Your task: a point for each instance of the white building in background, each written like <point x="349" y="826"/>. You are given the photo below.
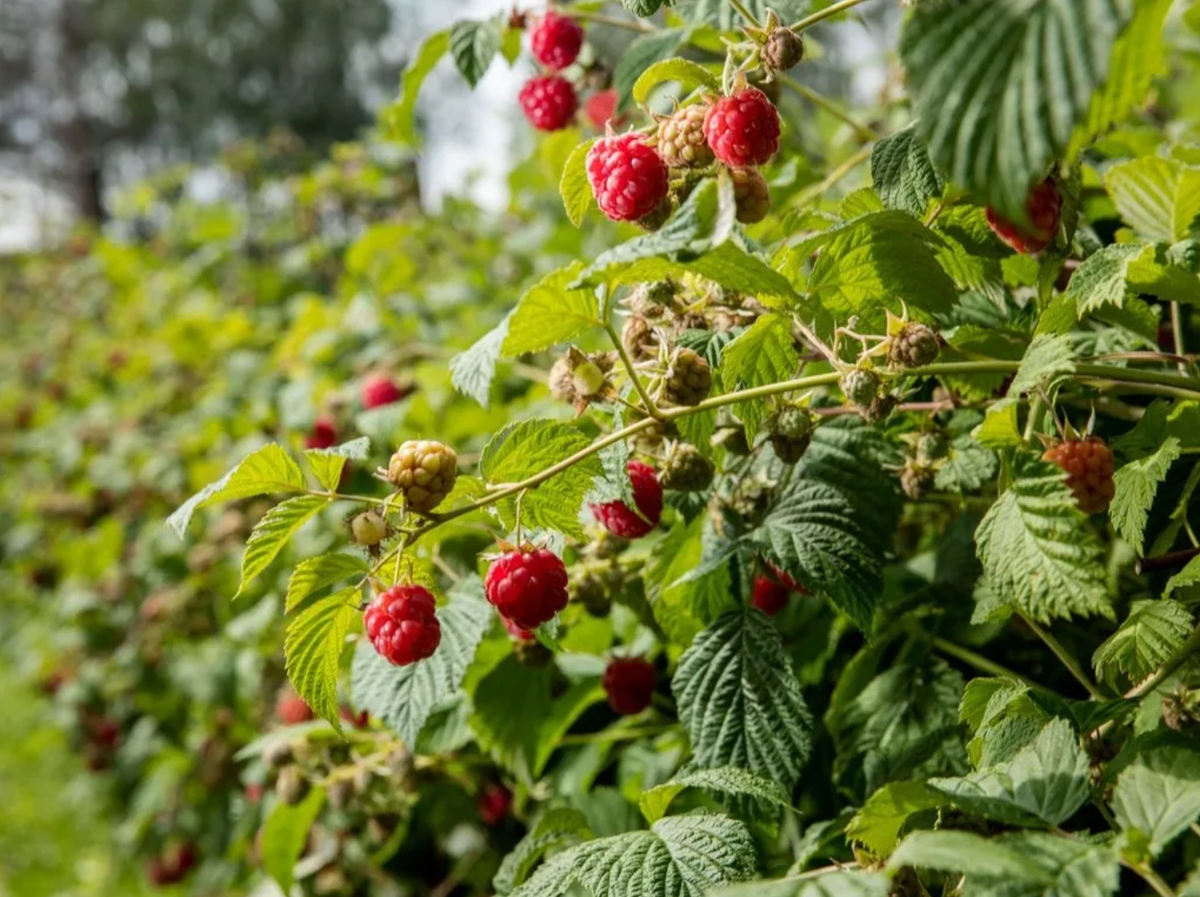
<point x="32" y="216"/>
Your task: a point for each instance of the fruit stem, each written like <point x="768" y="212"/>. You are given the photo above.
<point x="983" y="664"/>
<point x="601" y="19"/>
<point x="745" y="13"/>
<point x="809" y="21"/>
<point x="1065" y="657"/>
<point x="650" y="407"/>
<point x="1177" y="333"/>
<point x="823" y="102"/>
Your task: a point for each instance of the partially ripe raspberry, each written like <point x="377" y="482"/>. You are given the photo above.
<point x="1044" y="208"/>
<point x="751" y="195"/>
<point x="1089" y="466"/>
<point x="616" y="516"/>
<point x="770" y="596"/>
<point x="379" y="390"/>
<point x="324" y="434"/>
<point x="494" y="801"/>
<point x="549" y="102"/>
<point x="688" y="378"/>
<point x="790" y="430"/>
<point x="743" y="129"/>
<point x="914" y="346"/>
<point x="527" y="587"/>
<point x="783" y="50"/>
<point x="601" y="107"/>
<point x="629" y="684"/>
<point x="681" y="141"/>
<point x="686" y="469"/>
<point x="628" y="178"/>
<point x="291" y="709"/>
<point x="423" y="472"/>
<point x="402" y="624"/>
<point x="555" y="41"/>
<point x="860" y="387"/>
<point x="368" y="528"/>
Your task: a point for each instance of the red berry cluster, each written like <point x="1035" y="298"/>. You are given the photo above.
<point x="527" y="587"/>
<point x="1044" y="208"/>
<point x="549" y="100"/>
<point x="494" y="801"/>
<point x="773" y="589"/>
<point x="1089" y="466"/>
<point x="629" y="684"/>
<point x="172" y="865"/>
<point x="379" y="390"/>
<point x="402" y="624"/>
<point x="621" y="520"/>
<point x="291" y="709"/>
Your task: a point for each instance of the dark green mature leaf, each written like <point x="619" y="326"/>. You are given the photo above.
<point x="272" y="532"/>
<point x="739" y="699"/>
<point x="549" y="313"/>
<point x="903" y="174"/>
<point x="680" y="856"/>
<point x="265" y="472"/>
<point x="683" y="607"/>
<point x="1136" y="484"/>
<point x="529" y="447"/>
<point x="970" y="66"/>
<point x="313" y="574"/>
<point x="1150" y="636"/>
<point x="471" y="371"/>
<point x="829" y="884"/>
<point x="285" y="833"/>
<point x="1037" y="551"/>
<point x="721" y="14"/>
<point x="732" y="780"/>
<point x="642" y="8"/>
<point x="764" y="353"/>
<point x="473" y="46"/>
<point x="1159" y="794"/>
<point x="312" y="650"/>
<point x="404" y="697"/>
<point x="555" y="829"/>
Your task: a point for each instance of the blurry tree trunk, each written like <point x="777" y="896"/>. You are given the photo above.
<point x="83" y="169"/>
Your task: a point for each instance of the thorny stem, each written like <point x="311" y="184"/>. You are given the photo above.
<point x="822" y="102"/>
<point x="650" y="407"/>
<point x="1065" y="657"/>
<point x="809" y="21"/>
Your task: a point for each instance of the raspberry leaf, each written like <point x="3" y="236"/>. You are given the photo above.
<point x="1136" y="486"/>
<point x="312" y="650"/>
<point x="878" y="824"/>
<point x="549" y="313"/>
<point x="1150" y="636"/>
<point x="764" y="353"/>
<point x="643" y="52"/>
<point x="728" y="780"/>
<point x="315" y="573"/>
<point x="1159" y="795"/>
<point x="403" y="698"/>
<point x="472" y="370"/>
<point x="684" y="72"/>
<point x="1188" y="576"/>
<point x="685" y="606"/>
<point x="285" y="834"/>
<point x="903" y="174"/>
<point x="327" y="464"/>
<point x="398" y="119"/>
<point x="573" y="185"/>
<point x="272" y="533"/>
<point x="473" y="46"/>
<point x="1159" y="197"/>
<point x="739" y="699"/>
<point x="265" y="472"/>
<point x="554" y="830"/>
<point x="680" y="856"/>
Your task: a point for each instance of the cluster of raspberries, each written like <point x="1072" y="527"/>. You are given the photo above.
<point x="549" y="100"/>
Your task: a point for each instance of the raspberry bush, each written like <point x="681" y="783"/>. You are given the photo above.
<point x="842" y="463"/>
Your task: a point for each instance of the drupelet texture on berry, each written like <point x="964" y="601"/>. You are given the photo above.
<point x="549" y="102"/>
<point x="619" y="519"/>
<point x="402" y="624"/>
<point x="688" y="378"/>
<point x="770" y="595"/>
<point x="423" y="472"/>
<point x="368" y="528"/>
<point x="681" y="141"/>
<point x="783" y="49"/>
<point x="743" y="129"/>
<point x="527" y="587"/>
<point x="1044" y="208"/>
<point x="859" y="386"/>
<point x="601" y="107"/>
<point x="628" y="177"/>
<point x="1089" y="466"/>
<point x="751" y="195"/>
<point x="555" y="41"/>
<point x="629" y="684"/>
<point x="790" y="430"/>
<point x="686" y="469"/>
<point x="914" y="346"/>
<point x="379" y="390"/>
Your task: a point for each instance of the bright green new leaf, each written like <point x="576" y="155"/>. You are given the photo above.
<point x="312" y="650"/>
<point x="550" y="313"/>
<point x="272" y="532"/>
<point x="1159" y="794"/>
<point x="1159" y="197"/>
<point x="1150" y="636"/>
<point x="327" y="464"/>
<point x="687" y="73"/>
<point x="285" y="833"/>
<point x="265" y="472"/>
<point x="1136" y="485"/>
<point x="398" y="119"/>
<point x="315" y="573"/>
<point x="732" y="780"/>
<point x="574" y="187"/>
<point x="878" y="824"/>
<point x="764" y="353"/>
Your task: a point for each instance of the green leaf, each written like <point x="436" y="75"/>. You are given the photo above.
<point x="1037" y="551"/>
<point x="315" y="573"/>
<point x="643" y="52"/>
<point x="1159" y="794"/>
<point x="1047" y="780"/>
<point x="526" y="448"/>
<point x="1047" y="361"/>
<point x="1102" y="278"/>
<point x="731" y="780"/>
<point x="687" y="73"/>
<point x="1136" y="485"/>
<point x="1188" y="576"/>
<point x="878" y="261"/>
<point x="828" y="884"/>
<point x="970" y="66"/>
<point x="554" y="830"/>
<point x="684" y="608"/>
<point x="576" y="191"/>
<point x="473" y="46"/>
<point x="1150" y="636"/>
<point x="968" y="466"/>
<point x="312" y="650"/>
<point x="327" y="463"/>
<point x="265" y="472"/>
<point x="472" y="371"/>
<point x="903" y="174"/>
<point x="272" y="532"/>
<point x="680" y="856"/>
<point x="642" y="8"/>
<point x="721" y="14"/>
<point x="764" y="353"/>
<point x="398" y="119"/>
<point x="878" y="824"/>
<point x="549" y="313"/>
<point x="739" y="699"/>
<point x="285" y="833"/>
<point x="1158" y="197"/>
<point x="404" y="697"/>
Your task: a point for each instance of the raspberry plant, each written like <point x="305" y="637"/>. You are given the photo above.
<point x="813" y="512"/>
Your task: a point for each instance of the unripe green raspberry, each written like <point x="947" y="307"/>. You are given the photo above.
<point x="783" y="50"/>
<point x="751" y="194"/>
<point x="686" y="469"/>
<point x="292" y="786"/>
<point x="587" y="379"/>
<point x="859" y="386"/>
<point x="681" y="141"/>
<point x="790" y="430"/>
<point x="914" y="346"/>
<point x="369" y="528"/>
<point x="688" y="378"/>
<point x="932" y="446"/>
<point x="916" y="479"/>
<point x="423" y="472"/>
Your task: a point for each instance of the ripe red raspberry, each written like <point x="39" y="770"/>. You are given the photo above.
<point x="518" y="632"/>
<point x="743" y="129"/>
<point x="556" y="40"/>
<point x="787" y="580"/>
<point x="1044" y="207"/>
<point x="1089" y="466"/>
<point x="494" y="801"/>
<point x="629" y="684"/>
<point x="527" y="587"/>
<point x="770" y="595"/>
<point x="549" y="102"/>
<point x="291" y="709"/>
<point x="359" y="720"/>
<point x="380" y="389"/>
<point x="619" y="519"/>
<point x="601" y="107"/>
<point x="324" y="434"/>
<point x="628" y="177"/>
<point x="402" y="624"/>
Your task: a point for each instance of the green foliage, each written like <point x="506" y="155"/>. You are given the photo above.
<point x="903" y="174"/>
<point x="1152" y="633"/>
<point x="285" y="833"/>
<point x="1159" y="795"/>
<point x="316" y="638"/>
